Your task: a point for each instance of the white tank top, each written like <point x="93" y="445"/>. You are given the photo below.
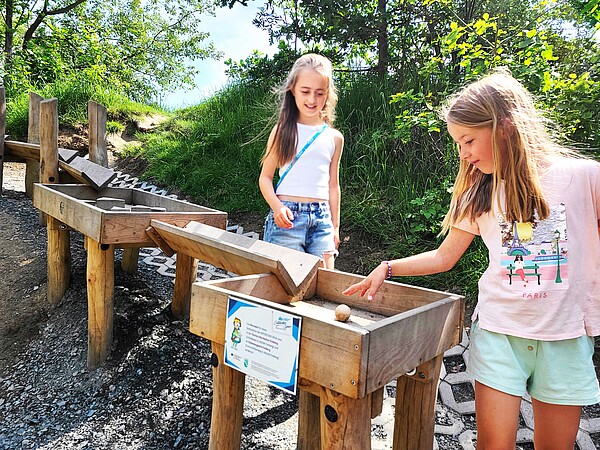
<point x="309" y="177"/>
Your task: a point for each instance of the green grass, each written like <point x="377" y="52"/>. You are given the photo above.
<point x="72" y="98"/>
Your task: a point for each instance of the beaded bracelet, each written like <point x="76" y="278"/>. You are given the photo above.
<point x="389" y="269"/>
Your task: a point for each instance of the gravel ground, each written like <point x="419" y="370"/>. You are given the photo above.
<point x="154" y="392"/>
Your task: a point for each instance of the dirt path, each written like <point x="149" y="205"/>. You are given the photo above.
<point x="22" y="269"/>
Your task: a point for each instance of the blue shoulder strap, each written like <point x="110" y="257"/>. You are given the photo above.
<point x="299" y="154"/>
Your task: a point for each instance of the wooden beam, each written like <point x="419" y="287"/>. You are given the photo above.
<point x="49" y="141"/>
<point x="242" y="255"/>
<point x="27" y="150"/>
<point x="97" y="133"/>
<point x="32" y="166"/>
<point x="90" y="173"/>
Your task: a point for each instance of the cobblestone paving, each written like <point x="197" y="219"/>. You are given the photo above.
<point x="455" y="411"/>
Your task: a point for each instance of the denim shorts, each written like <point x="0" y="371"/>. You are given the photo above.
<point x="312" y="230"/>
<point x="557" y="372"/>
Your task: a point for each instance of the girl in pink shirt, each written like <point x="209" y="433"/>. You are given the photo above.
<point x="537" y="203"/>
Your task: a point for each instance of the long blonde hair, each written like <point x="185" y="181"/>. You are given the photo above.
<point x="500" y="102"/>
<point x="286" y="132"/>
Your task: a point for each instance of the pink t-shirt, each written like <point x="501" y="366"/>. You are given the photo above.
<point x="560" y="298"/>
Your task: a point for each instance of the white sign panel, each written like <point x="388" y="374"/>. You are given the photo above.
<point x="263" y="342"/>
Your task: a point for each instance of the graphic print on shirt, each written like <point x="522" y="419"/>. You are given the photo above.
<point x="534" y="254"/>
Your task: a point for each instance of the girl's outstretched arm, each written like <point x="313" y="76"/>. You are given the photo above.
<point x="435" y="261"/>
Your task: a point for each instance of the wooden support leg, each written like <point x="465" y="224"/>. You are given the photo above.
<point x="59" y="260"/>
<point x="345" y="422"/>
<point x="228" y="404"/>
<point x="32" y="175"/>
<point x="129" y="261"/>
<point x="186" y="271"/>
<point x="100" y="285"/>
<point x="309" y="421"/>
<point x="376" y="402"/>
<point x="414" y="420"/>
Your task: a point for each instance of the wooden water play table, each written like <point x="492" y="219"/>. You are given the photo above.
<point x="75" y="207"/>
<point x="343" y="366"/>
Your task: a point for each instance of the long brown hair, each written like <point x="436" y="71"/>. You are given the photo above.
<point x="286" y="132"/>
<point x="500" y="102"/>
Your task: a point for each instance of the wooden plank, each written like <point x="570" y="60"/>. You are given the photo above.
<point x="95" y="175"/>
<point x="32" y="167"/>
<point x="129" y="227"/>
<point x="84" y="192"/>
<point x="108" y="202"/>
<point x="76" y="214"/>
<point x="241" y="254"/>
<point x="423" y="332"/>
<point x="141" y="197"/>
<point x="23" y="150"/>
<point x="26" y="150"/>
<point x="265" y="285"/>
<point x="67" y="155"/>
<point x="160" y="242"/>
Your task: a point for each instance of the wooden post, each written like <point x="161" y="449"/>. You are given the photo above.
<point x="345" y="421"/>
<point x="186" y="272"/>
<point x="129" y="260"/>
<point x="59" y="260"/>
<point x="48" y="144"/>
<point x="414" y="420"/>
<point x="49" y="141"/>
<point x="228" y="403"/>
<point x="309" y="421"/>
<point x="2" y="132"/>
<point x="32" y="166"/>
<point x="100" y="287"/>
<point x="97" y="147"/>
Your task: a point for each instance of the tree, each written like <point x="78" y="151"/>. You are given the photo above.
<point x="137" y="47"/>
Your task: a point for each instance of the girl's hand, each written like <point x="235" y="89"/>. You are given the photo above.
<point x="371" y="284"/>
<point x="283" y="217"/>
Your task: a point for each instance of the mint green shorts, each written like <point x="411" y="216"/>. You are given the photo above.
<point x="556" y="372"/>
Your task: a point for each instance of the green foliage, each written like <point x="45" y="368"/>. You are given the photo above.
<point x="73" y="95"/>
<point x="135" y="47"/>
<point x="417" y="111"/>
<point x="114" y="127"/>
<point x="427" y="212"/>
